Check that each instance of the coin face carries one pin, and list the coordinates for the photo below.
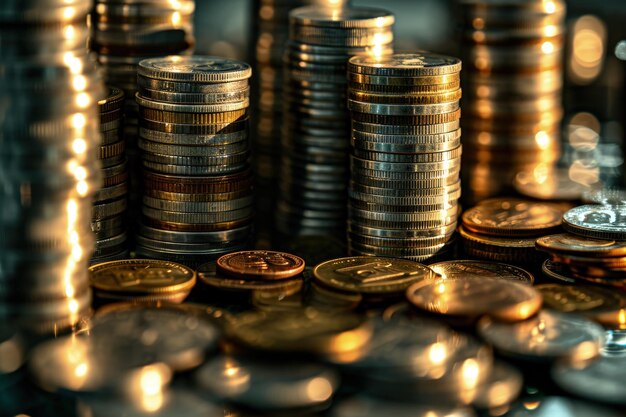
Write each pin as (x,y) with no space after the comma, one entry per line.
(472,298)
(141,276)
(568,243)
(370,274)
(481,269)
(512,217)
(194,68)
(417,64)
(261,264)
(597,221)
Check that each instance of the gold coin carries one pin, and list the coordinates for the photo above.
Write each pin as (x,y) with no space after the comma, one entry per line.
(141,276)
(571,244)
(473,298)
(370,274)
(480,270)
(512,217)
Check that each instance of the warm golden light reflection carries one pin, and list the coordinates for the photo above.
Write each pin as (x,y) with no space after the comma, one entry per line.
(478,36)
(69,32)
(585,119)
(541,173)
(547,47)
(146,387)
(83,100)
(319,389)
(79,121)
(549,6)
(470,374)
(550,30)
(621,317)
(478,23)
(583,174)
(69,13)
(79,146)
(588,49)
(531,405)
(437,353)
(176,18)
(266,12)
(542,139)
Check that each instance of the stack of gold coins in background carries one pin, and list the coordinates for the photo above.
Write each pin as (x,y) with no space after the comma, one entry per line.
(123,32)
(109,214)
(512,83)
(49,169)
(273,32)
(197,196)
(314,172)
(406,154)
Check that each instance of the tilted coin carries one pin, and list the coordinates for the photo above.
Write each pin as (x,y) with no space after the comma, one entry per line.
(208,275)
(512,217)
(571,244)
(605,306)
(197,69)
(481,269)
(547,336)
(261,264)
(597,221)
(361,17)
(473,298)
(365,274)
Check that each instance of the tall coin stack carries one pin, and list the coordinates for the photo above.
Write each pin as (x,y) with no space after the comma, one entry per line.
(197,195)
(315,138)
(49,170)
(512,84)
(406,154)
(123,33)
(273,33)
(109,216)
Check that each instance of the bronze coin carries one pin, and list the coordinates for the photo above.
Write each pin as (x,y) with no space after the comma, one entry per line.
(263,264)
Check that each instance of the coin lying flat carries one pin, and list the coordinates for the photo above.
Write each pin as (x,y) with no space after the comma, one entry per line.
(261,263)
(481,269)
(571,244)
(567,407)
(472,298)
(405,65)
(597,221)
(368,406)
(370,274)
(194,69)
(548,336)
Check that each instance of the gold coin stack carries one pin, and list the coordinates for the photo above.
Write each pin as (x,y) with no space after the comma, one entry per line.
(406,154)
(108,220)
(273,33)
(49,168)
(197,197)
(314,174)
(511,51)
(505,230)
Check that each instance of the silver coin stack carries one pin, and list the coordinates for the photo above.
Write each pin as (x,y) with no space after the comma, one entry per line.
(512,53)
(197,195)
(406,155)
(273,32)
(109,214)
(315,137)
(49,170)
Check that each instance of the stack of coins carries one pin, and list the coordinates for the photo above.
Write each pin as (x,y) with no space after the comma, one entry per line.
(595,249)
(273,32)
(512,83)
(406,154)
(315,133)
(49,170)
(505,230)
(197,196)
(108,219)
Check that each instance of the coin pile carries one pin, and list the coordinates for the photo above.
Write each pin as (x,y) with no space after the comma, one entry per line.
(505,230)
(197,196)
(406,154)
(49,169)
(273,33)
(314,174)
(108,220)
(512,52)
(594,250)
(123,32)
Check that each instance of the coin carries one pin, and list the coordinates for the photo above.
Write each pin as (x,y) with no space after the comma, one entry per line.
(512,217)
(268,265)
(405,65)
(597,221)
(571,244)
(472,298)
(194,69)
(481,269)
(546,337)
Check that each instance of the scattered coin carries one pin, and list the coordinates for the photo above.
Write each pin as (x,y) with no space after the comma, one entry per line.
(481,269)
(597,221)
(267,265)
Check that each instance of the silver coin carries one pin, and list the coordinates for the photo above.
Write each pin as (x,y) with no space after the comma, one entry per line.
(597,221)
(194,69)
(232,235)
(197,218)
(192,150)
(198,206)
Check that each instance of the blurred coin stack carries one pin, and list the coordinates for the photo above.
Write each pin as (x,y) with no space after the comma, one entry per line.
(109,216)
(197,194)
(123,32)
(314,169)
(512,84)
(273,33)
(406,154)
(49,139)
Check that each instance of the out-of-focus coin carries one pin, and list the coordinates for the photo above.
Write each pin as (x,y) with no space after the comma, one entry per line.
(501,387)
(368,406)
(481,269)
(568,407)
(552,185)
(597,221)
(547,336)
(571,244)
(472,298)
(610,196)
(512,217)
(261,264)
(605,306)
(370,274)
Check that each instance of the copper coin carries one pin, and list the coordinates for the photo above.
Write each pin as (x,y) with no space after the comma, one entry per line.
(261,264)
(570,244)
